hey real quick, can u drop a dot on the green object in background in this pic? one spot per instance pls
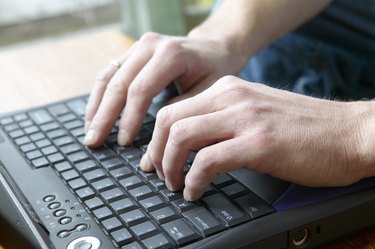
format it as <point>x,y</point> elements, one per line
<point>173,17</point>
<point>162,16</point>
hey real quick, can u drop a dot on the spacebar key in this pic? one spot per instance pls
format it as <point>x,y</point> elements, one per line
<point>229,214</point>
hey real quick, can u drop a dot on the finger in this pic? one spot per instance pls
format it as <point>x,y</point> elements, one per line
<point>114,96</point>
<point>155,76</point>
<point>97,92</point>
<point>210,161</point>
<point>168,115</point>
<point>191,134</point>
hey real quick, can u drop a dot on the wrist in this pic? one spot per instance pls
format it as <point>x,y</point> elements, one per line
<point>365,133</point>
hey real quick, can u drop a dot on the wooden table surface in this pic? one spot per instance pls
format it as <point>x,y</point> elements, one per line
<point>60,68</point>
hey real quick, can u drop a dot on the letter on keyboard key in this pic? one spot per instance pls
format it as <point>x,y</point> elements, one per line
<point>180,231</point>
<point>204,221</point>
<point>229,214</point>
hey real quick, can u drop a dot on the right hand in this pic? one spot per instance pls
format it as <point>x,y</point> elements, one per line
<point>146,69</point>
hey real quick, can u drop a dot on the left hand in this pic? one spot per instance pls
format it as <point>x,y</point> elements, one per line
<point>237,124</point>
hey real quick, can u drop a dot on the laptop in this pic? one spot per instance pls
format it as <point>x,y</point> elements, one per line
<point>57,193</point>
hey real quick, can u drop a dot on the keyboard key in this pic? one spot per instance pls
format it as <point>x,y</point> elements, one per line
<point>49,150</point>
<point>73,124</point>
<point>55,158</point>
<point>77,183</point>
<point>94,175</point>
<point>129,153</point>
<point>134,245</point>
<point>63,166</point>
<point>182,205</point>
<point>27,147</point>
<point>122,236</point>
<point>77,132</point>
<point>254,206</point>
<point>56,133</point>
<point>152,203</point>
<point>25,123</point>
<point>40,162</point>
<point>33,154</point>
<point>64,140</point>
<point>123,205</point>
<point>133,217</point>
<point>16,133</point>
<point>86,166</point>
<point>121,173</point>
<point>103,154</point>
<point>49,127</point>
<point>113,163</point>
<point>141,192</point>
<point>11,127</point>
<point>229,214</point>
<point>164,215</point>
<point>102,213</point>
<point>180,231</point>
<point>111,224</point>
<point>94,203</point>
<point>22,140</point>
<point>104,184</point>
<point>31,129</point>
<point>6,121</point>
<point>157,184</point>
<point>42,143</point>
<point>222,180</point>
<point>131,182</point>
<point>78,106</point>
<point>144,230</point>
<point>204,221</point>
<point>37,136</point>
<point>169,195</point>
<point>234,190</point>
<point>20,117</point>
<point>58,109</point>
<point>69,175</point>
<point>159,241</point>
<point>112,194</point>
<point>40,116</point>
<point>67,117</point>
<point>85,193</point>
<point>70,148</point>
<point>78,156</point>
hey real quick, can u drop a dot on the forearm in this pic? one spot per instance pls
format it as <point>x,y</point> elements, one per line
<point>245,26</point>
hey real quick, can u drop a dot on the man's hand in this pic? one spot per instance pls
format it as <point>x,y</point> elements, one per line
<point>150,65</point>
<point>236,124</point>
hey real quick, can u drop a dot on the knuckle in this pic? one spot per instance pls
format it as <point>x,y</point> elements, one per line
<point>137,89</point>
<point>178,132</point>
<point>149,37</point>
<point>206,161</point>
<point>163,117</point>
<point>170,46</point>
<point>116,86</point>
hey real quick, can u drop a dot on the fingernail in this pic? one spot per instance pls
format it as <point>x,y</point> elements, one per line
<point>90,137</point>
<point>123,137</point>
<point>145,163</point>
<point>187,195</point>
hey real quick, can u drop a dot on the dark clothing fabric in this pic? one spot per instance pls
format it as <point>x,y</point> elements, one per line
<point>331,56</point>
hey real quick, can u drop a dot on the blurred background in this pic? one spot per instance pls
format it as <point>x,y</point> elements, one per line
<point>27,20</point>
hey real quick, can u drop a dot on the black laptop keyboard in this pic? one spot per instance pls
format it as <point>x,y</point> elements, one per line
<point>134,207</point>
